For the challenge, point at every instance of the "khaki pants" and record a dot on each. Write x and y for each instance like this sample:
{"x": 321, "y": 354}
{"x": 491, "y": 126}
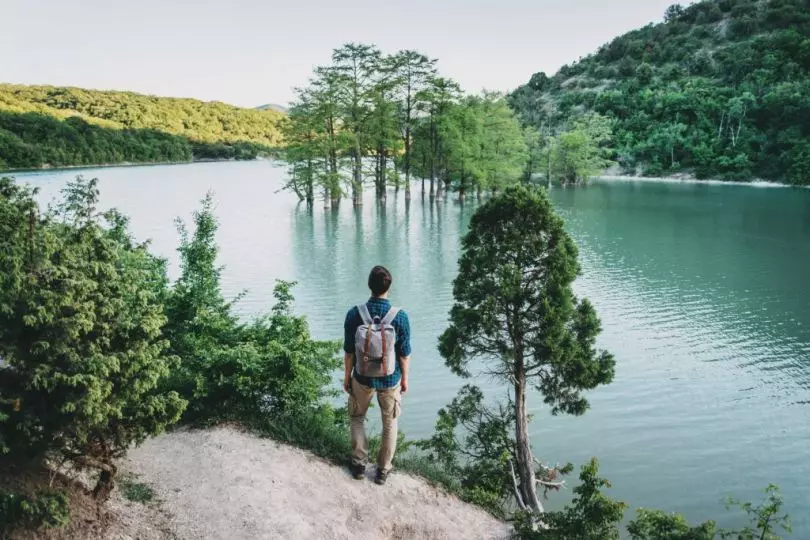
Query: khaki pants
{"x": 390, "y": 402}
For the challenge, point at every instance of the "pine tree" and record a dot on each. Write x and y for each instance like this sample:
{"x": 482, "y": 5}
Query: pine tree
{"x": 516, "y": 313}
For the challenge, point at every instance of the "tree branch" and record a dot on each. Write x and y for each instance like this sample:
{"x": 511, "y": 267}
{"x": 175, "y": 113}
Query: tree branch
{"x": 518, "y": 497}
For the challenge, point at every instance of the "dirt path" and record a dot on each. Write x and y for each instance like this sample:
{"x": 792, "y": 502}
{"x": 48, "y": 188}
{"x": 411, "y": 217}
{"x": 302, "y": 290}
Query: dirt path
{"x": 224, "y": 483}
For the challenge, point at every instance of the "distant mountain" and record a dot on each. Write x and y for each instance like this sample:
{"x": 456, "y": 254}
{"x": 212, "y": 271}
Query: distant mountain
{"x": 273, "y": 107}
{"x": 57, "y": 126}
{"x": 720, "y": 89}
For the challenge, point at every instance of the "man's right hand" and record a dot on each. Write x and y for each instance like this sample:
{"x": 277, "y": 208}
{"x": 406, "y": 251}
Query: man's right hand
{"x": 347, "y": 384}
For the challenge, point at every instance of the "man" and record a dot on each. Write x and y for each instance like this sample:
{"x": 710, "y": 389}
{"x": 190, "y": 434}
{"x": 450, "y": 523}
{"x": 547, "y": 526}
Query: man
{"x": 392, "y": 380}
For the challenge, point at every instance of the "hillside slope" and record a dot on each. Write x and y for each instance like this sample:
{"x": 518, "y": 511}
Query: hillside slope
{"x": 73, "y": 126}
{"x": 226, "y": 484}
{"x": 720, "y": 89}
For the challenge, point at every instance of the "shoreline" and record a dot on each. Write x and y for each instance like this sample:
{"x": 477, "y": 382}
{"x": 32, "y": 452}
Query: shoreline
{"x": 690, "y": 180}
{"x": 126, "y": 164}
{"x": 606, "y": 177}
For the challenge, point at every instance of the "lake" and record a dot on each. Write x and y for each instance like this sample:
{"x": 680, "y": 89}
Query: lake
{"x": 703, "y": 291}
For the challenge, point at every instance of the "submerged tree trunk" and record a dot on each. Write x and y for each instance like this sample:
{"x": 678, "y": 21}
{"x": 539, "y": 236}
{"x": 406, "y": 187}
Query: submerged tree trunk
{"x": 310, "y": 186}
{"x": 408, "y": 148}
{"x": 357, "y": 181}
{"x": 332, "y": 171}
{"x": 383, "y": 165}
{"x": 432, "y": 178}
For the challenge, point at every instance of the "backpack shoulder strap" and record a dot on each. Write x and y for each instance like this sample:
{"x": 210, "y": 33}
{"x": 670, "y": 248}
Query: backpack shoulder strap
{"x": 364, "y": 314}
{"x": 390, "y": 316}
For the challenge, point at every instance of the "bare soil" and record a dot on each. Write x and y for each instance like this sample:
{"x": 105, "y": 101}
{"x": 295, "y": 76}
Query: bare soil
{"x": 226, "y": 483}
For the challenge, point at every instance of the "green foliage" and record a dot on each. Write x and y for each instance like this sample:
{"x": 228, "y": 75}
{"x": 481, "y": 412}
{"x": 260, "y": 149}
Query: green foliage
{"x": 135, "y": 491}
{"x": 56, "y": 126}
{"x": 230, "y": 369}
{"x": 472, "y": 442}
{"x": 395, "y": 112}
{"x": 484, "y": 147}
{"x": 592, "y": 515}
{"x": 720, "y": 89}
{"x": 660, "y": 525}
{"x": 516, "y": 314}
{"x": 320, "y": 429}
{"x": 580, "y": 153}
{"x": 765, "y": 518}
{"x": 47, "y": 510}
{"x": 33, "y": 139}
{"x": 515, "y": 277}
{"x": 81, "y": 319}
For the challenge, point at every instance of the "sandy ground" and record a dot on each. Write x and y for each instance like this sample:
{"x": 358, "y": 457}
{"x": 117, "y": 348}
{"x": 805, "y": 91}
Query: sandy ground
{"x": 225, "y": 483}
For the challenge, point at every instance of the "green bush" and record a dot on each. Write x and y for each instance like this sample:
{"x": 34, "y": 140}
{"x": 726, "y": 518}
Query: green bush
{"x": 46, "y": 509}
{"x": 231, "y": 370}
{"x": 81, "y": 315}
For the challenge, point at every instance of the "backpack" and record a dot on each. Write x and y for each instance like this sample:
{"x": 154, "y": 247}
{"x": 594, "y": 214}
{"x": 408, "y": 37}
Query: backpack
{"x": 375, "y": 344}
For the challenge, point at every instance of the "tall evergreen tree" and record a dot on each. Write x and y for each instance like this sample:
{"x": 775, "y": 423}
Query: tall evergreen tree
{"x": 516, "y": 313}
{"x": 356, "y": 63}
{"x": 414, "y": 69}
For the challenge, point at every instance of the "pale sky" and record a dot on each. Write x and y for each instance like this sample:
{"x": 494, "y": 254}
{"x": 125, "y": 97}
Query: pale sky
{"x": 250, "y": 52}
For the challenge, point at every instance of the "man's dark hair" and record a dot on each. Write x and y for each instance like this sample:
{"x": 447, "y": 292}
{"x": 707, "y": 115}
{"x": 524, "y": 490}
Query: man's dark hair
{"x": 379, "y": 280}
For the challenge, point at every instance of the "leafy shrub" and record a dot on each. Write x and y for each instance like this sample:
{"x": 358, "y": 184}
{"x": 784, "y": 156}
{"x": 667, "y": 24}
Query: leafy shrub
{"x": 80, "y": 328}
{"x": 660, "y": 525}
{"x": 800, "y": 165}
{"x": 235, "y": 370}
{"x": 46, "y": 509}
{"x": 592, "y": 515}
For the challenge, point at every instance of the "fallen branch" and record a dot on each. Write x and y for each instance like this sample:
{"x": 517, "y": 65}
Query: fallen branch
{"x": 551, "y": 485}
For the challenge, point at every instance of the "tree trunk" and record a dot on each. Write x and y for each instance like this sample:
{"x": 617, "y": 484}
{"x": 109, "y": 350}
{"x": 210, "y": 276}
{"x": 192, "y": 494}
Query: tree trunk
{"x": 357, "y": 182}
{"x": 408, "y": 112}
{"x": 383, "y": 165}
{"x": 432, "y": 176}
{"x": 334, "y": 186}
{"x": 525, "y": 461}
{"x": 377, "y": 165}
{"x": 310, "y": 186}
{"x": 720, "y": 129}
{"x": 408, "y": 162}
{"x": 461, "y": 192}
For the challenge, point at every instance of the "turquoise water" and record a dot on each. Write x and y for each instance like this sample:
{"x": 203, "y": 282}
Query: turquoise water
{"x": 703, "y": 291}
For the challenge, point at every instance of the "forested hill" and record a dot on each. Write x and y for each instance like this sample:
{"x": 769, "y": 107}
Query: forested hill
{"x": 720, "y": 89}
{"x": 56, "y": 126}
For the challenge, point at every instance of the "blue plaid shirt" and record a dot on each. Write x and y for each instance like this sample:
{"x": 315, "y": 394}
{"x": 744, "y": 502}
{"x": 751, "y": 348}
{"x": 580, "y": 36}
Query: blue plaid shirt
{"x": 378, "y": 307}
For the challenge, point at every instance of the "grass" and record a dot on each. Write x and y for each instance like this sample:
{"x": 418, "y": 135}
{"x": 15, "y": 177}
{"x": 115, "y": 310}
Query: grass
{"x": 136, "y": 491}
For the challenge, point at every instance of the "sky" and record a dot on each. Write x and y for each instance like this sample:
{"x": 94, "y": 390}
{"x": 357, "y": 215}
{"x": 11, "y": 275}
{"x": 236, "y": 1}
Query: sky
{"x": 251, "y": 52}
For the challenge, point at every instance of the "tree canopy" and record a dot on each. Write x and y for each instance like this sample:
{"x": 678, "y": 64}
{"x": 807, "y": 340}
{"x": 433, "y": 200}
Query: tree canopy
{"x": 56, "y": 126}
{"x": 390, "y": 118}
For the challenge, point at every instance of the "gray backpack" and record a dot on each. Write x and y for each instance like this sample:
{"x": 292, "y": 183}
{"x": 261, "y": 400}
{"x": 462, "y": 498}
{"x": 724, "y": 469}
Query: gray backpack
{"x": 375, "y": 344}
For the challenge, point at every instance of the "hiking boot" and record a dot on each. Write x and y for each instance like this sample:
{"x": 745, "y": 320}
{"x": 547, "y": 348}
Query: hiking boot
{"x": 382, "y": 477}
{"x": 358, "y": 471}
